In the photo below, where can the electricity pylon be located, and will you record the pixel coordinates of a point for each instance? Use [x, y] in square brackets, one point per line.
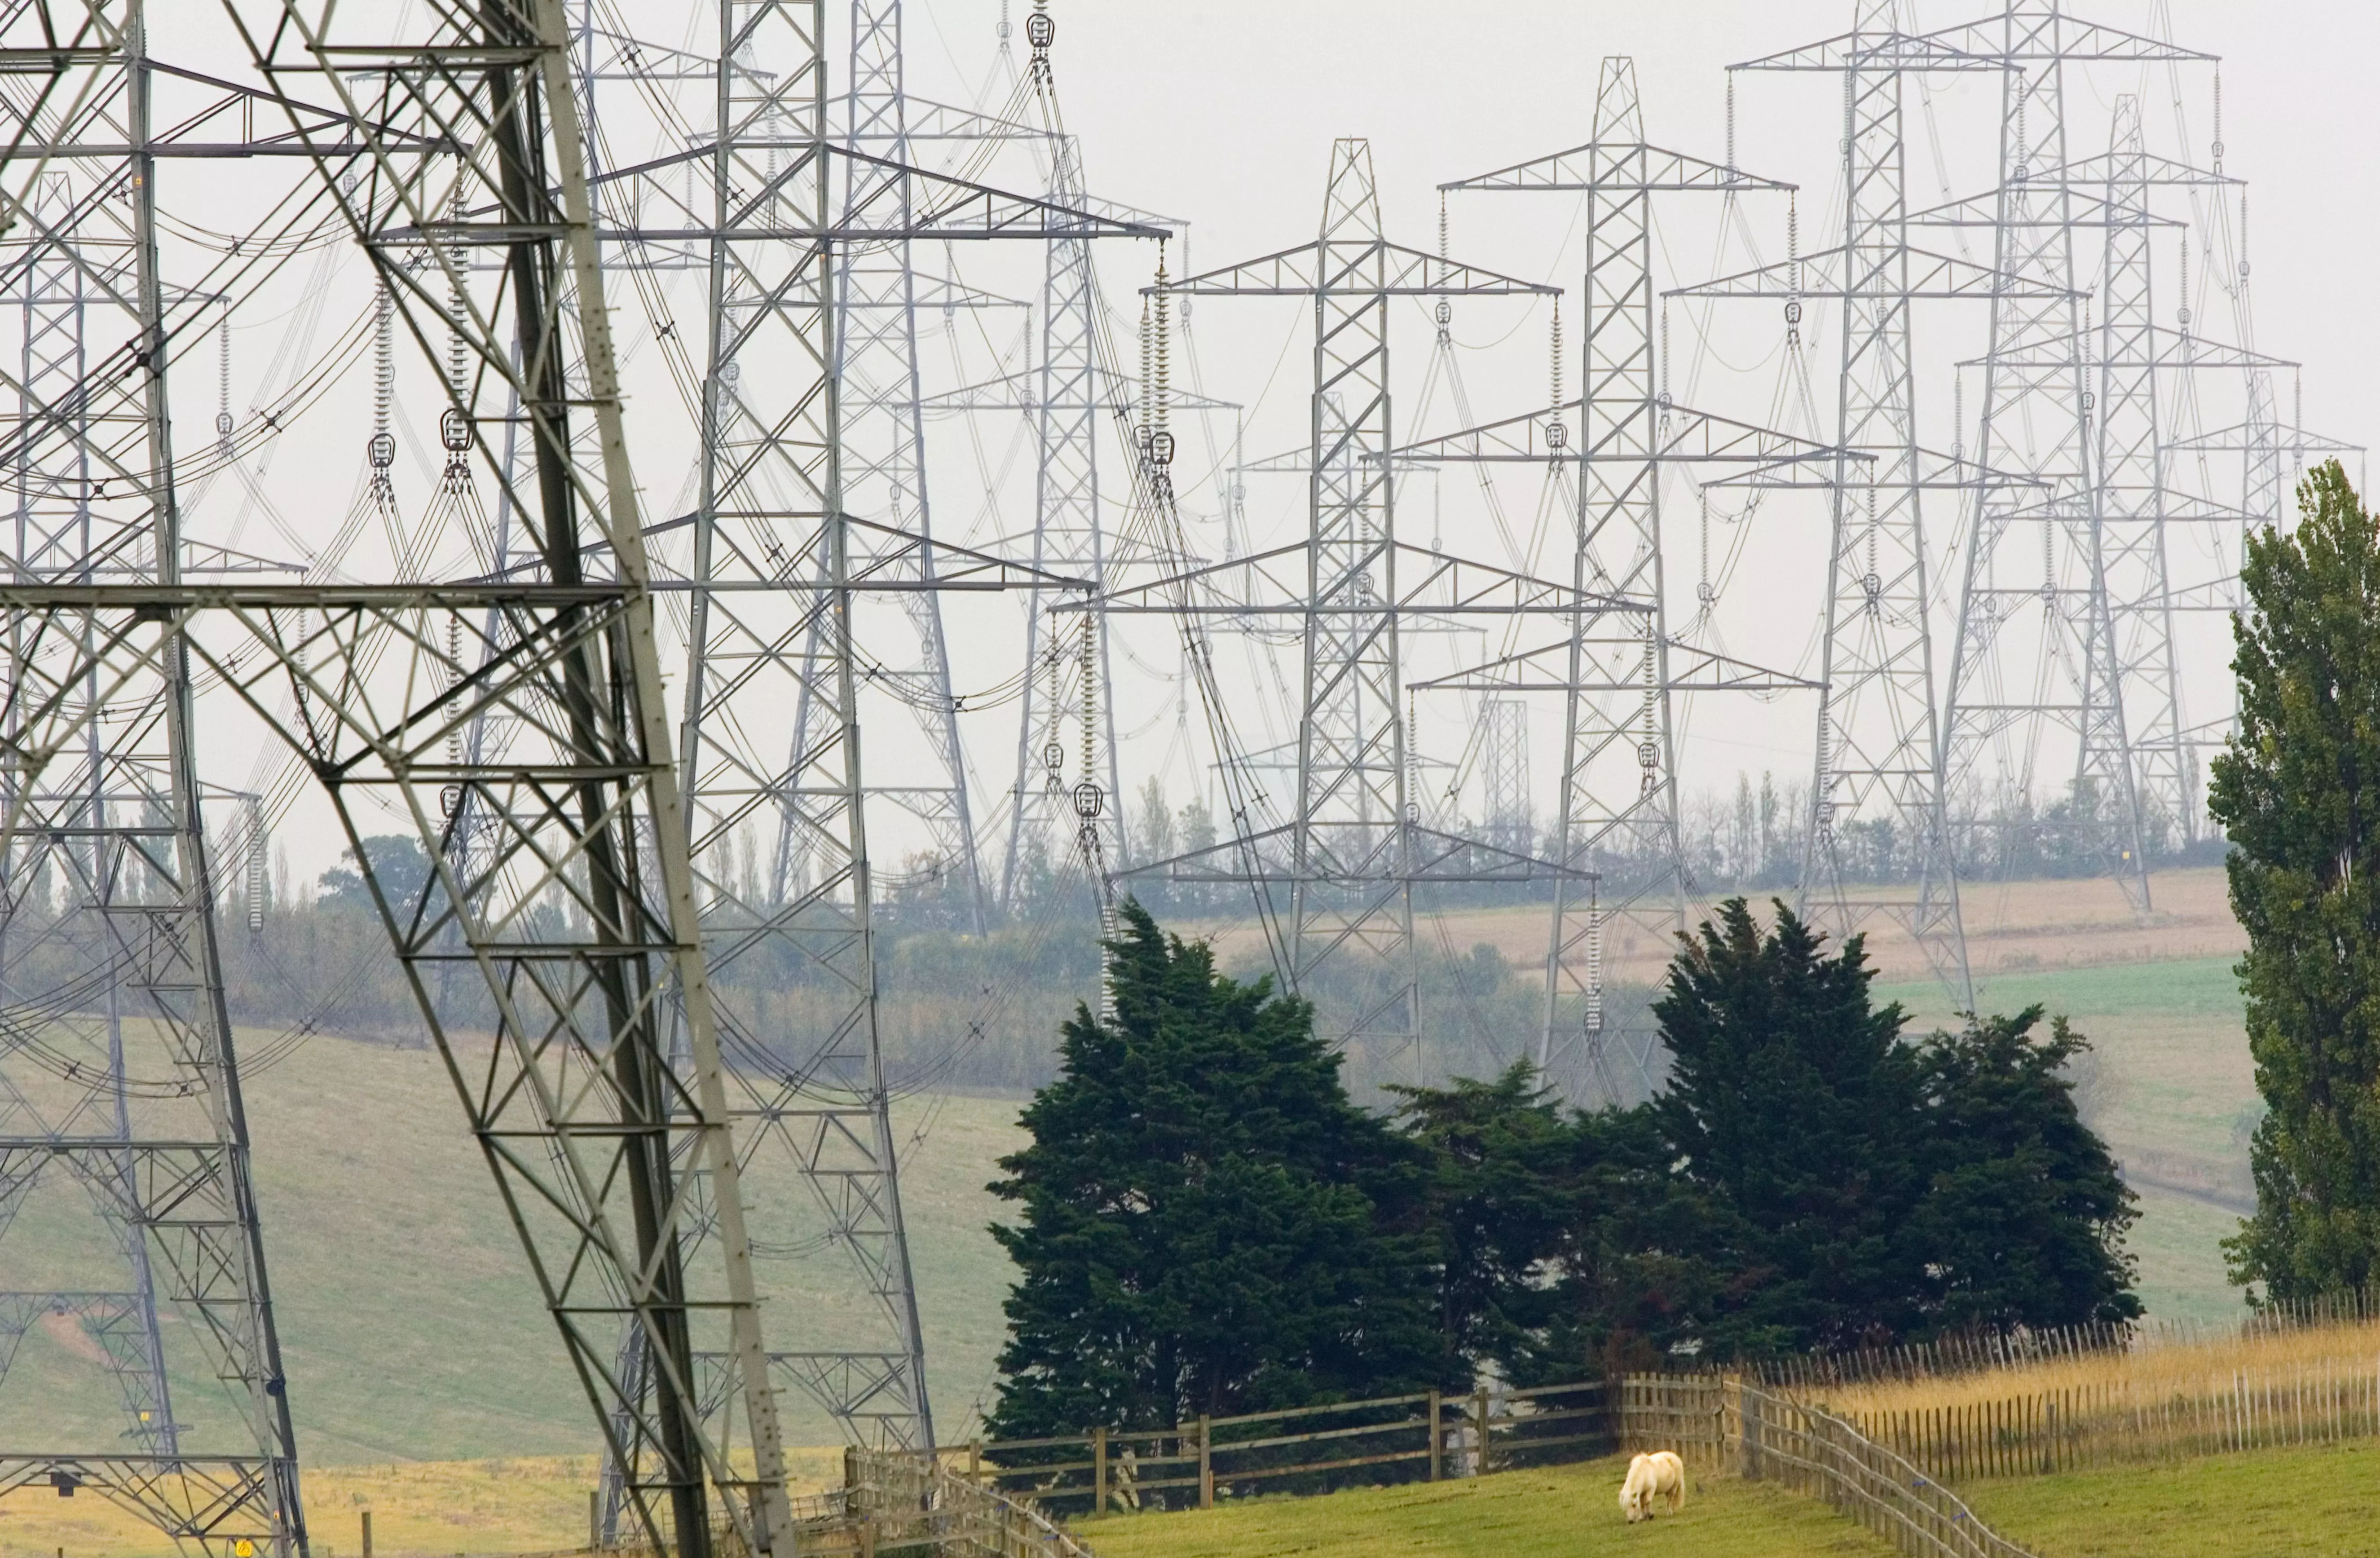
[1617, 821]
[119, 1087]
[1878, 806]
[2035, 652]
[1353, 850]
[787, 586]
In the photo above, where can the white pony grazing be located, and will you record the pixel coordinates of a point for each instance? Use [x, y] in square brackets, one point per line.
[1658, 1476]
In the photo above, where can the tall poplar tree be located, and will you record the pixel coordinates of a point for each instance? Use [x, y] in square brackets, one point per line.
[2297, 788]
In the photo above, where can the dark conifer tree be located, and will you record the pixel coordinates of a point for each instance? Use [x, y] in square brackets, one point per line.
[1793, 1102]
[1208, 1224]
[2025, 1210]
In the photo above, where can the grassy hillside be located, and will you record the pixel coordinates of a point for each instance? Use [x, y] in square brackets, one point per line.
[2275, 1503]
[409, 1323]
[423, 1509]
[1570, 1511]
[412, 1331]
[2176, 1097]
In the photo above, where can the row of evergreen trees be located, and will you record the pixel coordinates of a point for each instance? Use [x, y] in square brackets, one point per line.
[1206, 1223]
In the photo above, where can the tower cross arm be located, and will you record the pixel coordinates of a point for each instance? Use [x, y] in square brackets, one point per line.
[2243, 437]
[888, 201]
[2083, 209]
[1903, 270]
[2168, 349]
[2134, 168]
[2042, 35]
[1369, 267]
[1932, 471]
[1689, 437]
[1873, 51]
[1620, 166]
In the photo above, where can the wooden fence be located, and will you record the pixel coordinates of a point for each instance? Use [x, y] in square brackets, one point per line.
[1405, 1437]
[2116, 1425]
[1975, 1352]
[895, 1502]
[1817, 1453]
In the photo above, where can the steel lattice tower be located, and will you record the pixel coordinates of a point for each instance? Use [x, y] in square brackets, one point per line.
[2011, 683]
[1353, 850]
[2134, 500]
[884, 441]
[1074, 394]
[120, 1085]
[1878, 779]
[1618, 814]
[786, 584]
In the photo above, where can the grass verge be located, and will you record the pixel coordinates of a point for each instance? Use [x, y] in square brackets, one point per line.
[419, 1509]
[2313, 1502]
[1570, 1511]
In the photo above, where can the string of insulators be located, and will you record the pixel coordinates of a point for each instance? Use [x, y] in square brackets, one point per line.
[252, 813]
[1792, 268]
[382, 450]
[453, 683]
[223, 382]
[1088, 656]
[1593, 1021]
[1874, 582]
[1702, 590]
[1164, 342]
[1648, 750]
[1731, 124]
[1556, 350]
[1161, 439]
[1147, 379]
[1413, 757]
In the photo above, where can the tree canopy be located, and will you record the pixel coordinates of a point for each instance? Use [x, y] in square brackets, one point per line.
[2298, 789]
[1208, 1224]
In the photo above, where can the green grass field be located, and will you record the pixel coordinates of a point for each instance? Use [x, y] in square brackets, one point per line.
[1573, 1512]
[412, 1331]
[2311, 1503]
[408, 1317]
[2177, 1091]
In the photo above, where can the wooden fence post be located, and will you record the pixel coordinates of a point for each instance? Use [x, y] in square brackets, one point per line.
[1206, 1462]
[594, 1519]
[1479, 1432]
[1437, 1445]
[1099, 1469]
[1750, 1413]
[367, 1522]
[974, 1463]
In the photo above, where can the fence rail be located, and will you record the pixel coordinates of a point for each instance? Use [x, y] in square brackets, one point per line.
[1406, 1438]
[1814, 1452]
[899, 1501]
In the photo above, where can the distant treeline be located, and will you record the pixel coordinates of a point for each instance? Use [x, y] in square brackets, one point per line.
[956, 1011]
